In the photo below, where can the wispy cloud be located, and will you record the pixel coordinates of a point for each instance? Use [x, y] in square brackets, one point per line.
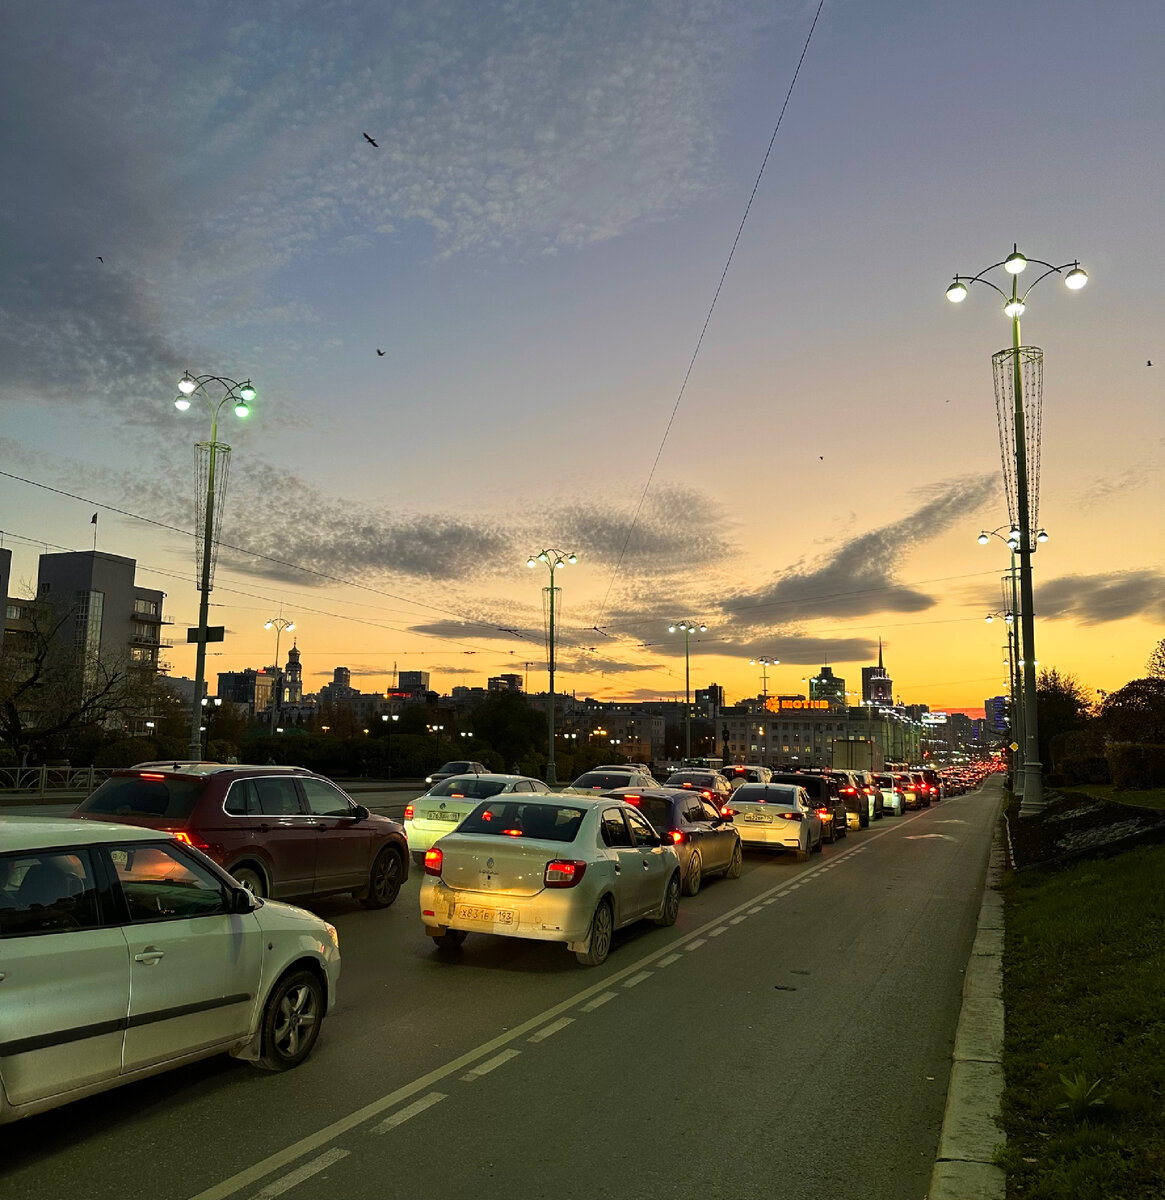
[858, 577]
[1096, 599]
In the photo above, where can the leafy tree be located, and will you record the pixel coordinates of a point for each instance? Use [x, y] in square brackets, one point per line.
[1061, 705]
[511, 725]
[1136, 713]
[1156, 665]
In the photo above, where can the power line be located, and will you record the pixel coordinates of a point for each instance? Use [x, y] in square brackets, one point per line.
[707, 319]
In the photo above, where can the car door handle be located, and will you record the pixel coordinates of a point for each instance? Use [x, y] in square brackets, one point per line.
[149, 956]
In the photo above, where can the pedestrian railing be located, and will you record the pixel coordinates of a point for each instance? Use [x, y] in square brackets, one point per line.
[42, 781]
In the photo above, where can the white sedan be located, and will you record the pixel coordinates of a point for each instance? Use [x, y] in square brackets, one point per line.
[124, 953]
[777, 816]
[549, 868]
[446, 804]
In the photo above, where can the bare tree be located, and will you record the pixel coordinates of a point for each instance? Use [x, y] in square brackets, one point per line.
[49, 692]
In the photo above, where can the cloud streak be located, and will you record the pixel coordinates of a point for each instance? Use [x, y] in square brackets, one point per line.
[1097, 599]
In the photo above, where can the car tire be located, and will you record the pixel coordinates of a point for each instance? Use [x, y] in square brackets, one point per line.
[599, 936]
[671, 902]
[252, 879]
[451, 939]
[291, 1020]
[694, 874]
[832, 832]
[820, 847]
[384, 880]
[863, 820]
[736, 862]
[803, 855]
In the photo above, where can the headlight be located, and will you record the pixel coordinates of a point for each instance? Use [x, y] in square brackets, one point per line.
[333, 935]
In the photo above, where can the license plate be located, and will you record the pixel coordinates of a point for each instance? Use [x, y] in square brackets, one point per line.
[443, 816]
[474, 912]
[758, 818]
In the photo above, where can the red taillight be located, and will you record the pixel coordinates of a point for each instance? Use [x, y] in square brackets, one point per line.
[677, 837]
[512, 832]
[633, 800]
[727, 812]
[433, 860]
[408, 812]
[822, 812]
[687, 785]
[146, 776]
[707, 795]
[791, 816]
[456, 795]
[191, 839]
[564, 872]
[849, 791]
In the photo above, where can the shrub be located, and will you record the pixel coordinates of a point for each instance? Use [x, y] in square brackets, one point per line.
[1136, 764]
[1085, 768]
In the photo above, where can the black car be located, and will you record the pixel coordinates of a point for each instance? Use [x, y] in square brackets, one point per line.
[825, 792]
[705, 841]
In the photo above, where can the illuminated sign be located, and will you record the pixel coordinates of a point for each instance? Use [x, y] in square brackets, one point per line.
[934, 718]
[773, 704]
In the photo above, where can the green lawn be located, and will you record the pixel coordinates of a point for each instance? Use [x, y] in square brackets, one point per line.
[1142, 798]
[1084, 990]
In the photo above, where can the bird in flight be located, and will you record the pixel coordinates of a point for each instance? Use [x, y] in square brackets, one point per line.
[101, 260]
[1149, 363]
[371, 142]
[379, 353]
[822, 457]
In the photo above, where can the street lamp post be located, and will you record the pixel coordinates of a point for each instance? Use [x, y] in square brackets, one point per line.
[279, 625]
[765, 662]
[240, 395]
[687, 628]
[555, 560]
[207, 703]
[435, 730]
[1024, 502]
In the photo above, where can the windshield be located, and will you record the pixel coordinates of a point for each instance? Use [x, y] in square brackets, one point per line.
[603, 779]
[519, 819]
[473, 786]
[145, 796]
[815, 785]
[765, 793]
[453, 768]
[695, 778]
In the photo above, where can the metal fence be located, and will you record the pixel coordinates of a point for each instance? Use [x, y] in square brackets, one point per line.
[43, 781]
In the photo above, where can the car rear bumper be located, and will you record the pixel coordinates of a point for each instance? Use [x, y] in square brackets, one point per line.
[787, 836]
[551, 915]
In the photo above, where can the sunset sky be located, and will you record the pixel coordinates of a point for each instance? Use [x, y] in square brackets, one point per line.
[535, 244]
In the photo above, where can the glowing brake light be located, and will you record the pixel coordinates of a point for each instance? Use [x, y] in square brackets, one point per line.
[564, 872]
[190, 839]
[821, 812]
[729, 812]
[144, 775]
[792, 816]
[677, 837]
[408, 812]
[706, 794]
[433, 860]
[512, 832]
[633, 800]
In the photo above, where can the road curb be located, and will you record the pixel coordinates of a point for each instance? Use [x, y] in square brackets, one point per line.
[964, 1168]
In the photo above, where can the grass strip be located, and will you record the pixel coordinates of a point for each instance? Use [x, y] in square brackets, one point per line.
[1084, 990]
[1138, 797]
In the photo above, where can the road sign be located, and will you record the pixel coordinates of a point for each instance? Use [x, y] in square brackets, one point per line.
[1015, 745]
[214, 633]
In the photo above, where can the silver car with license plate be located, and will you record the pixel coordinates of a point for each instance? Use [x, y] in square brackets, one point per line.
[446, 804]
[777, 816]
[549, 868]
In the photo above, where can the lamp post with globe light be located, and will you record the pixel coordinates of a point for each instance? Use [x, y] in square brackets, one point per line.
[240, 396]
[687, 628]
[555, 560]
[764, 662]
[279, 625]
[1010, 367]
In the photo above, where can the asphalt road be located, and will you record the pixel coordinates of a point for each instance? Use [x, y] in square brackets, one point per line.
[789, 1037]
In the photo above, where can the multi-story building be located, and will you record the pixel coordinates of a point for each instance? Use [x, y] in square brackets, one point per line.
[413, 683]
[709, 701]
[877, 686]
[503, 683]
[995, 713]
[825, 685]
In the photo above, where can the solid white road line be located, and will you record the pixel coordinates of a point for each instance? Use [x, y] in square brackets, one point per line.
[489, 1065]
[409, 1111]
[551, 1029]
[278, 1186]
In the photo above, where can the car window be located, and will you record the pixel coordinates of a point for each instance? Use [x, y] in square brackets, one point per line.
[277, 797]
[657, 810]
[467, 786]
[512, 817]
[160, 883]
[145, 795]
[455, 768]
[615, 828]
[641, 830]
[48, 891]
[709, 811]
[323, 800]
[523, 785]
[606, 780]
[242, 799]
[765, 793]
[693, 811]
[536, 785]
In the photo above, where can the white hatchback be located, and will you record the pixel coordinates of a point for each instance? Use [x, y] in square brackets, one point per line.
[124, 953]
[446, 804]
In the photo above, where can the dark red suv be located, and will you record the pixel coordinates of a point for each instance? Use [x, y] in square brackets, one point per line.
[280, 831]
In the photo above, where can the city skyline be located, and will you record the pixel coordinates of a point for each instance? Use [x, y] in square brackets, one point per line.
[534, 245]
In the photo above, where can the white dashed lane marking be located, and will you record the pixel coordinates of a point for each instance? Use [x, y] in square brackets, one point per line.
[636, 980]
[751, 911]
[598, 1001]
[667, 962]
[718, 931]
[551, 1029]
[402, 1115]
[278, 1186]
[696, 943]
[737, 920]
[490, 1064]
